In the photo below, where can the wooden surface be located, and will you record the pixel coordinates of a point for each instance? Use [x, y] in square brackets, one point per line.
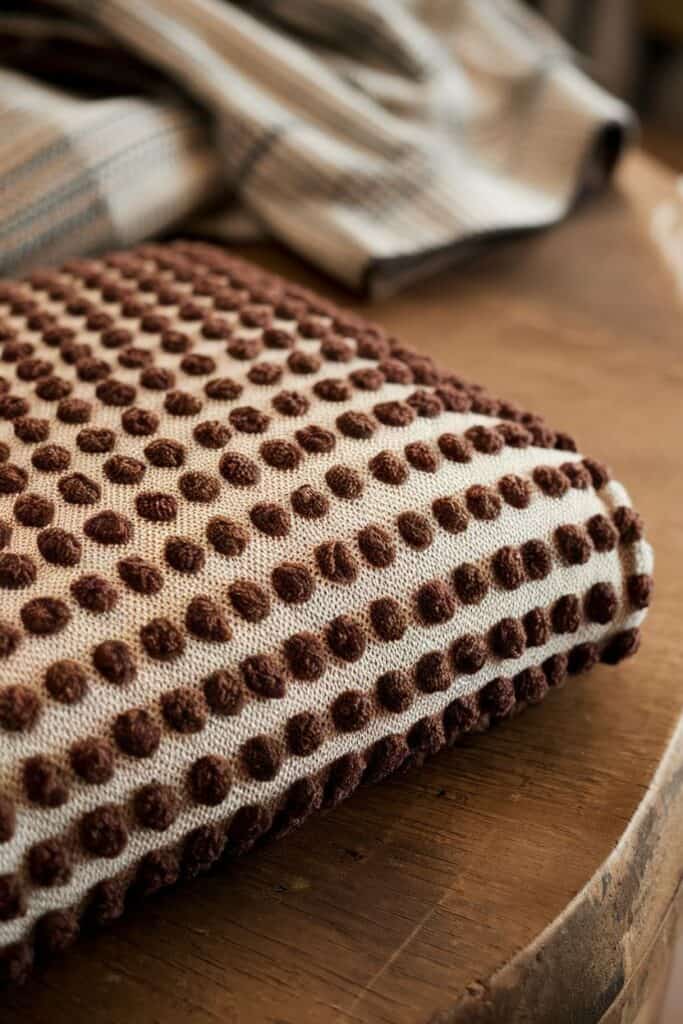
[399, 905]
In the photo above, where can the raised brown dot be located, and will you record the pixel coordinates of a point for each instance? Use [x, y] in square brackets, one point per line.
[566, 614]
[74, 410]
[92, 759]
[51, 458]
[249, 600]
[271, 519]
[94, 593]
[388, 468]
[206, 620]
[5, 533]
[343, 778]
[299, 361]
[59, 547]
[333, 390]
[309, 503]
[265, 374]
[582, 657]
[79, 489]
[358, 425]
[377, 546]
[182, 403]
[415, 529]
[210, 780]
[197, 365]
[305, 732]
[13, 406]
[115, 337]
[514, 435]
[305, 655]
[497, 698]
[45, 781]
[290, 403]
[162, 640]
[139, 422]
[279, 454]
[199, 487]
[351, 711]
[223, 389]
[16, 571]
[113, 392]
[602, 533]
[368, 379]
[31, 430]
[599, 473]
[263, 675]
[640, 587]
[184, 710]
[137, 732]
[157, 506]
[293, 582]
[388, 619]
[224, 692]
[211, 434]
[425, 737]
[468, 654]
[316, 440]
[156, 806]
[531, 685]
[396, 372]
[165, 453]
[551, 481]
[394, 691]
[52, 389]
[302, 798]
[577, 474]
[537, 559]
[13, 479]
[19, 708]
[114, 660]
[601, 603]
[45, 616]
[8, 818]
[336, 561]
[573, 544]
[515, 490]
[537, 627]
[175, 342]
[109, 527]
[344, 482]
[239, 470]
[140, 575]
[432, 672]
[422, 457]
[435, 602]
[104, 831]
[227, 536]
[455, 448]
[628, 523]
[49, 862]
[394, 414]
[623, 645]
[485, 439]
[96, 440]
[248, 420]
[507, 638]
[12, 898]
[92, 369]
[450, 514]
[508, 567]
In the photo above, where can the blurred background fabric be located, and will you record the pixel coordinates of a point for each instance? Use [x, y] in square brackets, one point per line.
[379, 139]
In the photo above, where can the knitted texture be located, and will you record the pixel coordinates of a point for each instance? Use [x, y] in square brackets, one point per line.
[254, 551]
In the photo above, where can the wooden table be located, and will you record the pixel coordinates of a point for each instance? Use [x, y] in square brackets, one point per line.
[533, 873]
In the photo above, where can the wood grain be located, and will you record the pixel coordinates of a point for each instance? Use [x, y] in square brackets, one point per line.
[388, 908]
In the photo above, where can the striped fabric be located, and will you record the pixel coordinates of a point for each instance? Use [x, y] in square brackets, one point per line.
[254, 551]
[380, 139]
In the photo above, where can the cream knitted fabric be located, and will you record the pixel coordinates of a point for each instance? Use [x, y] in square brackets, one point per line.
[254, 551]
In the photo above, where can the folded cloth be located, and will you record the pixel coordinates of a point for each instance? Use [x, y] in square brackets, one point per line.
[379, 139]
[254, 552]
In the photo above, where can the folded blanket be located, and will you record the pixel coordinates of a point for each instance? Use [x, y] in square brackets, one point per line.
[254, 551]
[377, 138]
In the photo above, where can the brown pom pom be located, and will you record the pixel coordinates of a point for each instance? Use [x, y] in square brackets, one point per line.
[432, 673]
[344, 776]
[425, 736]
[12, 898]
[223, 389]
[537, 559]
[8, 819]
[508, 568]
[291, 403]
[299, 361]
[305, 732]
[96, 440]
[75, 410]
[394, 414]
[333, 390]
[33, 510]
[94, 593]
[49, 862]
[200, 487]
[114, 660]
[45, 782]
[157, 869]
[123, 469]
[224, 693]
[59, 547]
[110, 527]
[483, 502]
[508, 639]
[263, 675]
[165, 453]
[468, 654]
[515, 490]
[336, 562]
[292, 582]
[388, 468]
[202, 848]
[45, 615]
[358, 425]
[249, 600]
[309, 503]
[602, 533]
[435, 602]
[261, 757]
[582, 657]
[640, 590]
[92, 759]
[182, 403]
[351, 711]
[227, 536]
[184, 710]
[551, 481]
[239, 470]
[422, 457]
[450, 514]
[566, 614]
[599, 473]
[305, 655]
[156, 806]
[497, 698]
[396, 372]
[31, 430]
[415, 530]
[248, 420]
[623, 645]
[52, 389]
[455, 448]
[377, 546]
[66, 681]
[531, 685]
[19, 708]
[601, 603]
[16, 571]
[388, 619]
[344, 482]
[271, 519]
[470, 582]
[204, 618]
[628, 523]
[577, 474]
[573, 544]
[486, 440]
[13, 479]
[394, 691]
[555, 669]
[104, 831]
[79, 489]
[211, 434]
[248, 824]
[137, 733]
[316, 440]
[55, 932]
[140, 576]
[162, 640]
[385, 756]
[16, 961]
[537, 627]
